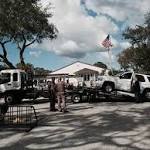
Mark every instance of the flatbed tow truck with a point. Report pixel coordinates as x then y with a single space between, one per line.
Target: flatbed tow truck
15 86
91 94
122 85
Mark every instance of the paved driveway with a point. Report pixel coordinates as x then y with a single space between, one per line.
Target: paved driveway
96 126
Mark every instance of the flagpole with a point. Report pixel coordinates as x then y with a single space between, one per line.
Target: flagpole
107 44
109 57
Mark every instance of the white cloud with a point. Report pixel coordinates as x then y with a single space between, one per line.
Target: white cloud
79 33
131 11
125 45
35 53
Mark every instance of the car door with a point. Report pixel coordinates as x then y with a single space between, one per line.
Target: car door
15 81
124 82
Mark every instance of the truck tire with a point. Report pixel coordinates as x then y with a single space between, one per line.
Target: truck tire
108 87
9 99
76 98
146 94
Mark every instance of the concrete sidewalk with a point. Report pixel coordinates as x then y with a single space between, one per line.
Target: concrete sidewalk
97 126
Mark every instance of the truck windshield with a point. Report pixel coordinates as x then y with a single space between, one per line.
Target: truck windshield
5 78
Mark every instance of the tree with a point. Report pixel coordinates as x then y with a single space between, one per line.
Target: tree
23 23
41 71
27 67
137 55
36 71
100 64
2 67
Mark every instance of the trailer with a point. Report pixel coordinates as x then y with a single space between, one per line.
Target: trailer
90 94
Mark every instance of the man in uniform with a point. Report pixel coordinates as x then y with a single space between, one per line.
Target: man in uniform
52 94
60 89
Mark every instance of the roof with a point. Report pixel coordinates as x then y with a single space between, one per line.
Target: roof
86 70
12 71
76 66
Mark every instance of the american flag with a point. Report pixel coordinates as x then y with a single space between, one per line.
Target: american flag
107 42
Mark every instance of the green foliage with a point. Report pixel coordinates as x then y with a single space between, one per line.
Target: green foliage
137 56
24 22
100 64
24 19
38 71
2 67
27 67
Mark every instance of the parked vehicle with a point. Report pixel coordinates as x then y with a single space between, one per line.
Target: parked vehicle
15 84
114 86
124 82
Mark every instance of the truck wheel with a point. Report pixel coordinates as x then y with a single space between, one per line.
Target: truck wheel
9 99
76 98
108 87
146 94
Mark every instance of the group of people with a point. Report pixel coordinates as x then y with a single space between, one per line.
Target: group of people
57 92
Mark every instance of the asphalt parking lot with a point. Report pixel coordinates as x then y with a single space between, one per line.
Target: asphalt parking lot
94 126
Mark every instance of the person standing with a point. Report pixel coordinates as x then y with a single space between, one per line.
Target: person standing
52 94
137 90
60 89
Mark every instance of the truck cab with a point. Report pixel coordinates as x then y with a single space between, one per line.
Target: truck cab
13 84
12 79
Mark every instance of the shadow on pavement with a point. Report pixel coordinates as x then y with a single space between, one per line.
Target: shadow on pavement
93 127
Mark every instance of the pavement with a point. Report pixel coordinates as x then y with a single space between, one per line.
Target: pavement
94 126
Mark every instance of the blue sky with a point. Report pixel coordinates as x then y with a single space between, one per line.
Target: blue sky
83 25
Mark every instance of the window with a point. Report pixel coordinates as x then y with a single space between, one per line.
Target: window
126 76
86 77
5 77
148 79
140 78
15 77
23 77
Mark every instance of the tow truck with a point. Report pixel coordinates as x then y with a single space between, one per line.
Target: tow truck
114 86
16 85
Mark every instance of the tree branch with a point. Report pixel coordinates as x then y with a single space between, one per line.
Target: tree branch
1 56
4 49
24 43
19 47
30 43
7 41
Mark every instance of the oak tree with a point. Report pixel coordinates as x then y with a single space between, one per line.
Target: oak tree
22 23
137 56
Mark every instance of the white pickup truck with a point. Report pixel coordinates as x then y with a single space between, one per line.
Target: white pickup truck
124 82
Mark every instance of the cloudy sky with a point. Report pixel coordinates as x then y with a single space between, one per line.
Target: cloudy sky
83 25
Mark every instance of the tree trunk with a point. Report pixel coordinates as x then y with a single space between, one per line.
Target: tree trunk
21 58
4 56
8 63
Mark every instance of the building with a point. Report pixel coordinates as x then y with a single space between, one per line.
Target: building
78 73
